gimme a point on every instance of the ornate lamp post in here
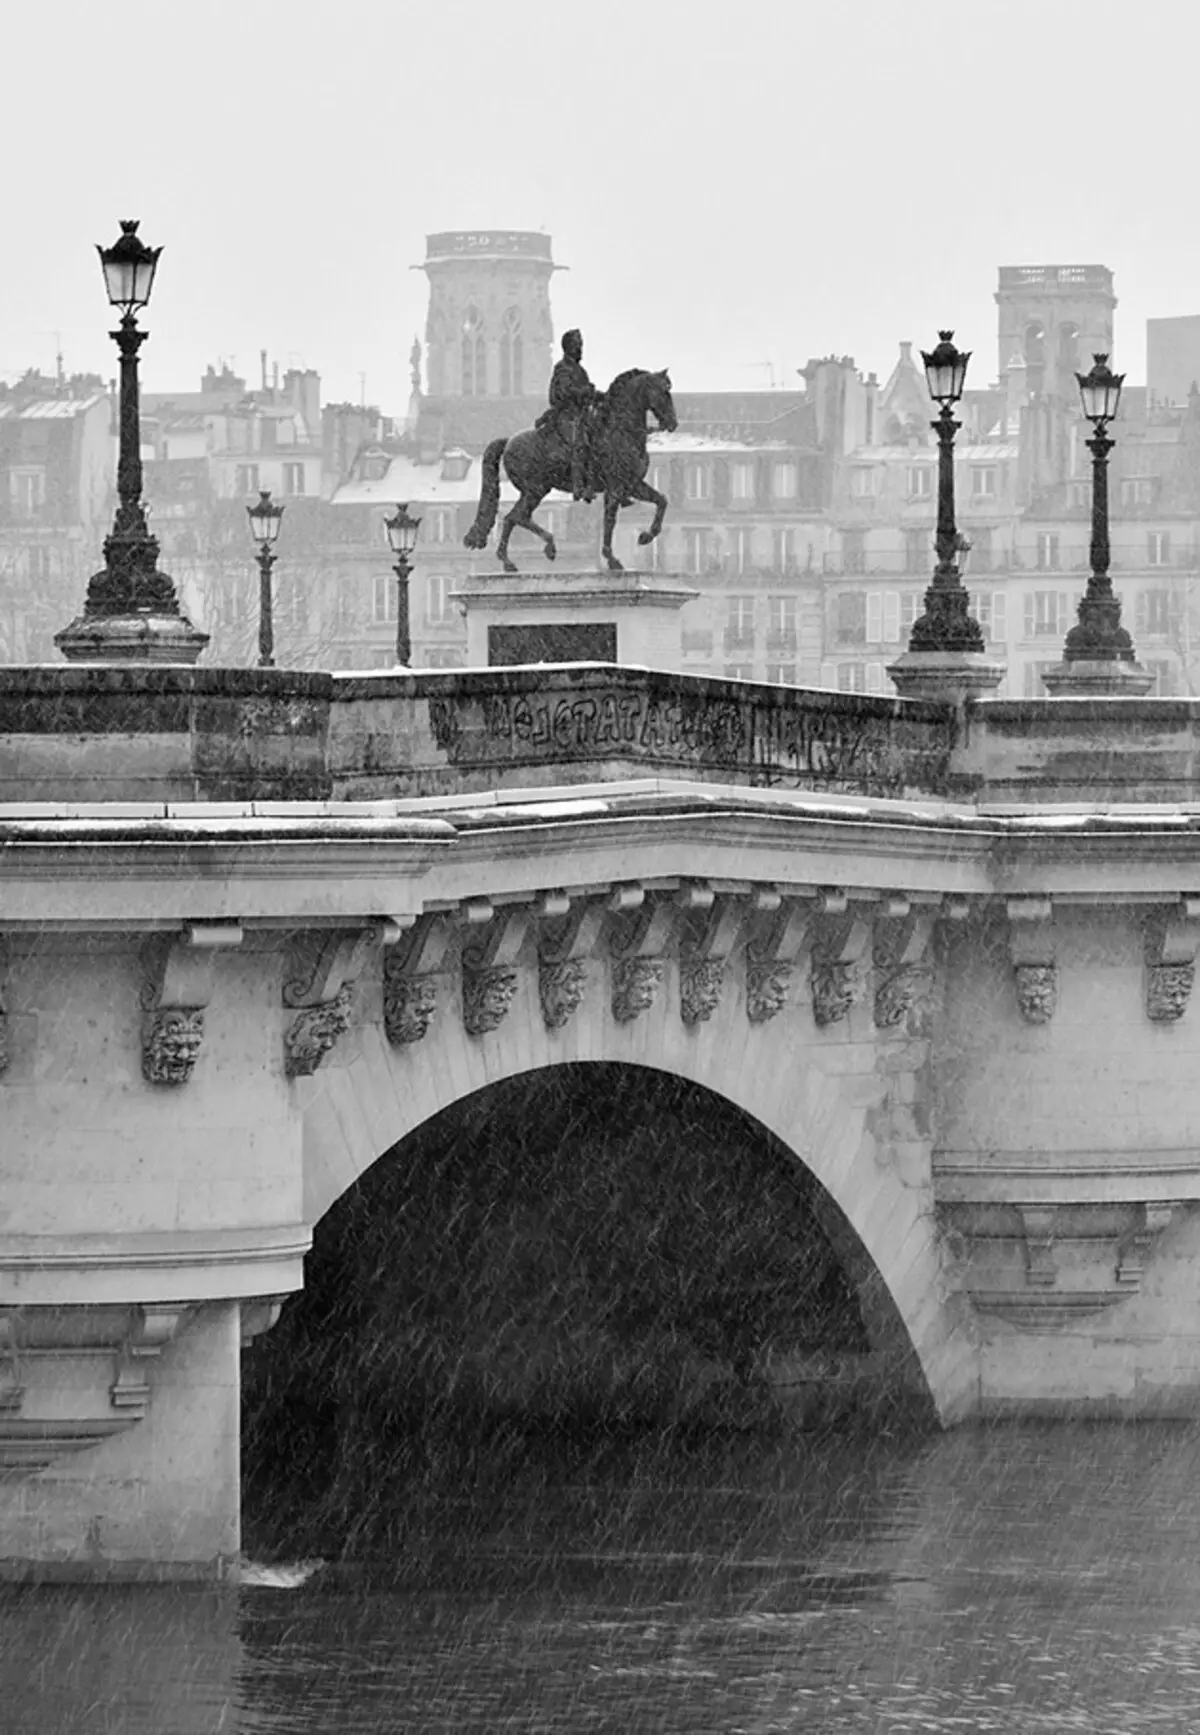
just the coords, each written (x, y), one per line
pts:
(945, 648)
(1098, 655)
(402, 539)
(131, 613)
(265, 520)
(946, 625)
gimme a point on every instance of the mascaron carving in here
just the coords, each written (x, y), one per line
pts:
(3, 1040)
(409, 1003)
(561, 987)
(835, 989)
(900, 993)
(635, 982)
(1037, 991)
(171, 1041)
(1168, 989)
(700, 988)
(313, 1032)
(766, 990)
(487, 995)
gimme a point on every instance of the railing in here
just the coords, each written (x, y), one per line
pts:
(739, 639)
(783, 640)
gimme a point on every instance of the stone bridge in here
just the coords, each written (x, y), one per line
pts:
(256, 927)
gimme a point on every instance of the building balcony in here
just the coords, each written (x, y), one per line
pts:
(782, 642)
(739, 639)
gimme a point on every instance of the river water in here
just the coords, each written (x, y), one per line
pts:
(1013, 1578)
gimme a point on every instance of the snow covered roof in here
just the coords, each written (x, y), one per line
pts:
(407, 479)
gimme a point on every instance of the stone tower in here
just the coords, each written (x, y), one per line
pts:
(1055, 317)
(488, 334)
(1052, 320)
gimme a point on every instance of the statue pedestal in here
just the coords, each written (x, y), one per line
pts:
(1103, 679)
(954, 676)
(574, 617)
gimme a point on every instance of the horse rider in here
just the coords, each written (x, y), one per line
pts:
(573, 401)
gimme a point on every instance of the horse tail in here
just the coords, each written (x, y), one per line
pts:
(489, 497)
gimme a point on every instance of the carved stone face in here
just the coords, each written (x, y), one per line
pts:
(1037, 991)
(835, 988)
(899, 993)
(635, 983)
(171, 1042)
(487, 995)
(700, 989)
(409, 1003)
(561, 987)
(766, 990)
(1168, 991)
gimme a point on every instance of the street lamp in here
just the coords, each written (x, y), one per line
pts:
(946, 625)
(265, 519)
(1098, 636)
(402, 539)
(132, 612)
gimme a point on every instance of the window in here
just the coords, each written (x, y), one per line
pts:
(781, 674)
(291, 602)
(850, 617)
(1156, 612)
(741, 481)
(784, 550)
(918, 551)
(375, 469)
(783, 481)
(739, 671)
(697, 481)
(438, 607)
(246, 479)
(981, 550)
(862, 482)
(1137, 491)
(660, 478)
(474, 355)
(739, 625)
(37, 563)
(983, 482)
(1079, 495)
(781, 612)
(383, 600)
(27, 492)
(439, 525)
(1158, 548)
(854, 555)
(742, 544)
(293, 478)
(920, 481)
(911, 604)
(875, 678)
(990, 609)
(1046, 614)
(852, 677)
(1047, 551)
(695, 550)
(512, 354)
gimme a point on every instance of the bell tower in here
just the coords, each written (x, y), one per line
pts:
(1055, 318)
(1052, 320)
(488, 335)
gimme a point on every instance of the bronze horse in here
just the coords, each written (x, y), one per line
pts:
(536, 461)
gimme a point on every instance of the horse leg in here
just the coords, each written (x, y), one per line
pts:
(510, 518)
(611, 502)
(643, 491)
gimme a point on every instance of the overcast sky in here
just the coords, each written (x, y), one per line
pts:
(735, 186)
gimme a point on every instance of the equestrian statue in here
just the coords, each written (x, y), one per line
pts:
(587, 443)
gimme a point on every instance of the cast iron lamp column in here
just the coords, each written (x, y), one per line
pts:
(402, 539)
(132, 613)
(946, 624)
(1098, 655)
(265, 521)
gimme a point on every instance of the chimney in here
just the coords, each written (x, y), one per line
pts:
(262, 356)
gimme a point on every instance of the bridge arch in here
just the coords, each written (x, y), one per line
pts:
(825, 1101)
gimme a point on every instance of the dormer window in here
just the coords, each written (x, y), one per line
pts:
(455, 466)
(375, 468)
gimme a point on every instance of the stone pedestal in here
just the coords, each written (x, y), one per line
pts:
(142, 636)
(568, 617)
(954, 676)
(1108, 678)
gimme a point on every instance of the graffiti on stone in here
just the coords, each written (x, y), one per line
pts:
(800, 744)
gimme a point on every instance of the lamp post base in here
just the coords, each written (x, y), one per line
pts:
(952, 676)
(141, 636)
(1101, 677)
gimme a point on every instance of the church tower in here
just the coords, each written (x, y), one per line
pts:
(1052, 320)
(488, 335)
